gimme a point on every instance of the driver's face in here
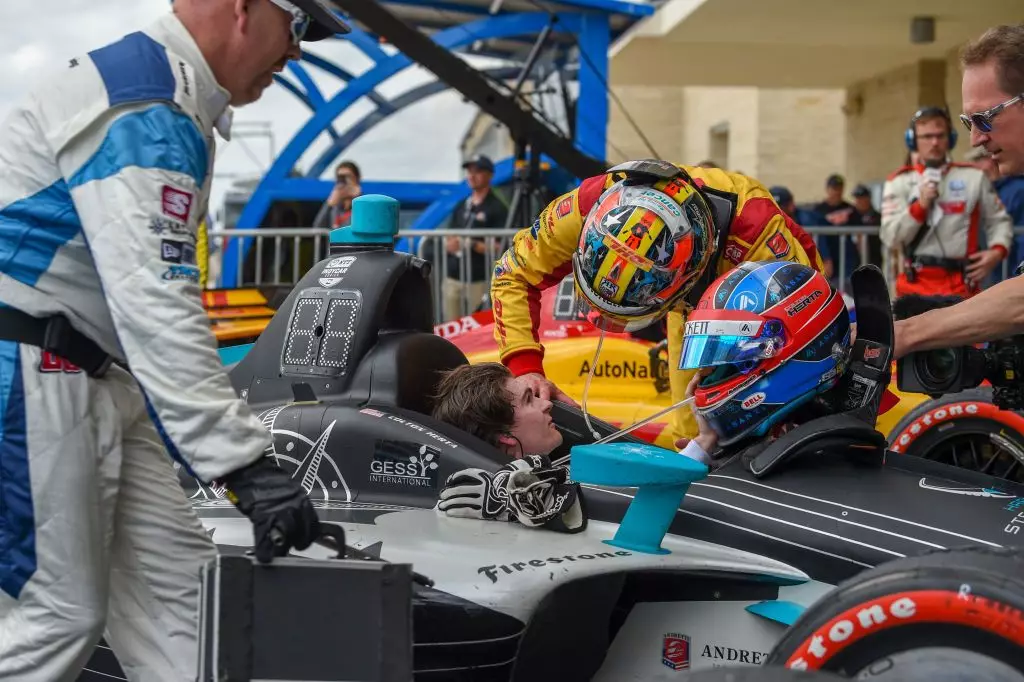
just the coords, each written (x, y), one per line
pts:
(533, 425)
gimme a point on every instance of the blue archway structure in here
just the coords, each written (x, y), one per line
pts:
(580, 35)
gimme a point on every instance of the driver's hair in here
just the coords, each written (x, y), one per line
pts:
(474, 398)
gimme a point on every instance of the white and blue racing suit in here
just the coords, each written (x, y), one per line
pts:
(104, 175)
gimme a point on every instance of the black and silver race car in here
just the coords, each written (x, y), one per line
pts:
(822, 551)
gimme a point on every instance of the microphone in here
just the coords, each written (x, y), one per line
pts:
(933, 171)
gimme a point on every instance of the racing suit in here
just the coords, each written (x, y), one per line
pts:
(541, 256)
(967, 202)
(104, 175)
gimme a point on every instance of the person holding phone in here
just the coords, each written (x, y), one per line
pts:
(337, 210)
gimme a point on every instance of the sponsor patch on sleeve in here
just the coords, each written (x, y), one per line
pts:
(734, 253)
(778, 245)
(177, 252)
(177, 203)
(564, 207)
(181, 273)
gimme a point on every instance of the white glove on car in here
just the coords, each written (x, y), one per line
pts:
(529, 490)
(476, 494)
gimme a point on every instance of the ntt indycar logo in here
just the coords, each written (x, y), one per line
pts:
(499, 571)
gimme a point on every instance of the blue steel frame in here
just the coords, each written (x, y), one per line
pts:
(591, 26)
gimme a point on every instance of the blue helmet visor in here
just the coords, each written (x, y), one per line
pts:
(700, 350)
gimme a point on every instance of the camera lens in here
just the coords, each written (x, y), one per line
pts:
(938, 368)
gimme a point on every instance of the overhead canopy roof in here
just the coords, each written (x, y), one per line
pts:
(431, 16)
(793, 43)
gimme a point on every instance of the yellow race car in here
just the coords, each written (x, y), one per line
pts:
(239, 316)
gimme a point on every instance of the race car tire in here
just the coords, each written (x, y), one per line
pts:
(760, 674)
(970, 600)
(967, 412)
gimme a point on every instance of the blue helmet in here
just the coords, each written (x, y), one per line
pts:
(774, 334)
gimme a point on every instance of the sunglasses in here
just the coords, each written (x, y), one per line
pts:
(300, 20)
(983, 119)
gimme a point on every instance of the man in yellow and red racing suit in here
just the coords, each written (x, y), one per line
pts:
(749, 226)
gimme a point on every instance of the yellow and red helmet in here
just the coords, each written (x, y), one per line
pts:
(642, 248)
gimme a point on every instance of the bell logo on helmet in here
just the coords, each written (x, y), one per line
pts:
(752, 401)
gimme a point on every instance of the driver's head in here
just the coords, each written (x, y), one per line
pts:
(773, 335)
(488, 402)
(642, 248)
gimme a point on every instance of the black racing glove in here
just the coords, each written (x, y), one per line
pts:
(281, 514)
(543, 496)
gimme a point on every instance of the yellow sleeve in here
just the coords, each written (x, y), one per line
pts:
(540, 257)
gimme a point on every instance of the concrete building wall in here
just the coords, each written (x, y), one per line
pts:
(802, 139)
(712, 114)
(790, 137)
(955, 98)
(880, 108)
(658, 113)
(877, 114)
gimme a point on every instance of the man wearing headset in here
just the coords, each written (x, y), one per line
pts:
(993, 97)
(935, 211)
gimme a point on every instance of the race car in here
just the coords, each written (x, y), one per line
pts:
(239, 316)
(823, 551)
(630, 382)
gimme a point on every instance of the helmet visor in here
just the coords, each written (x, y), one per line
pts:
(705, 350)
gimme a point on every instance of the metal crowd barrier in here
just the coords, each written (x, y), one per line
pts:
(281, 256)
(890, 267)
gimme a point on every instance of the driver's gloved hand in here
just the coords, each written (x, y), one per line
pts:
(541, 495)
(281, 514)
(476, 494)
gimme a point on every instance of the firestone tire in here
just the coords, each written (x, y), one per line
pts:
(759, 674)
(969, 602)
(967, 413)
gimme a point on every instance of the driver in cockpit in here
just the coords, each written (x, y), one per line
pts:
(487, 401)
(770, 340)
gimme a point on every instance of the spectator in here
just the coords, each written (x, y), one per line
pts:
(482, 210)
(784, 198)
(867, 216)
(337, 210)
(836, 212)
(935, 212)
(1011, 192)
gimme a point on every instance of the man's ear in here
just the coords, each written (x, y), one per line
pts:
(242, 8)
(510, 444)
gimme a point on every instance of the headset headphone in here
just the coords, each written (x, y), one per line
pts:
(910, 136)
